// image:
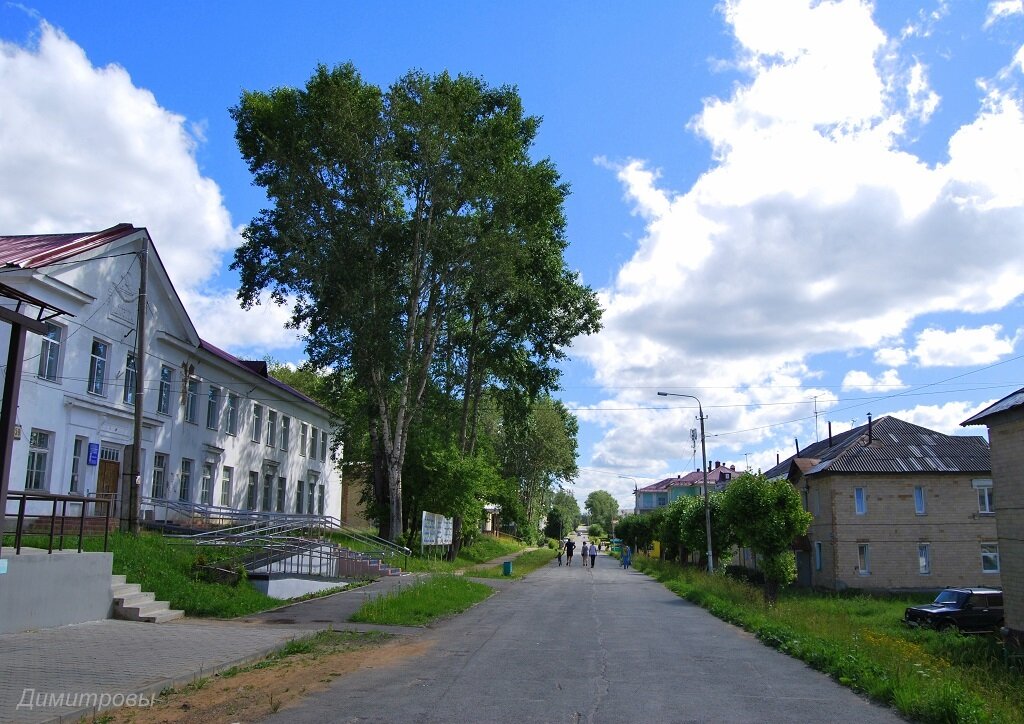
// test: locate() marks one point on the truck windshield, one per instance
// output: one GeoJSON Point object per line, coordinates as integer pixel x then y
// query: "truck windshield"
{"type": "Point", "coordinates": [950, 597]}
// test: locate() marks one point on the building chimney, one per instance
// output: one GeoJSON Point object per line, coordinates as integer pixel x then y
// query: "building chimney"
{"type": "Point", "coordinates": [869, 428]}
{"type": "Point", "coordinates": [732, 467]}
{"type": "Point", "coordinates": [718, 463]}
{"type": "Point", "coordinates": [830, 433]}
{"type": "Point", "coordinates": [777, 461]}
{"type": "Point", "coordinates": [797, 443]}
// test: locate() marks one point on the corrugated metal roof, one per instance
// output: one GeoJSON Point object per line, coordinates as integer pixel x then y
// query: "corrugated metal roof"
{"type": "Point", "coordinates": [895, 446]}
{"type": "Point", "coordinates": [38, 250]}
{"type": "Point", "coordinates": [1015, 399]}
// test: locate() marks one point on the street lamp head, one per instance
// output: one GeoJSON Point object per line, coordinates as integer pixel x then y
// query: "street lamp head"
{"type": "Point", "coordinates": [663, 394]}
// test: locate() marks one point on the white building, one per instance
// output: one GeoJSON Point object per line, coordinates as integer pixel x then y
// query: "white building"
{"type": "Point", "coordinates": [216, 430]}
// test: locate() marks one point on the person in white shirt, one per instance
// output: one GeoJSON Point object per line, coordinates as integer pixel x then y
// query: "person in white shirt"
{"type": "Point", "coordinates": [593, 554]}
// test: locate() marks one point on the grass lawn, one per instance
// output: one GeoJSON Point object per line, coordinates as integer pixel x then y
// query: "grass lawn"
{"type": "Point", "coordinates": [483, 549]}
{"type": "Point", "coordinates": [423, 601]}
{"type": "Point", "coordinates": [860, 641]}
{"type": "Point", "coordinates": [526, 563]}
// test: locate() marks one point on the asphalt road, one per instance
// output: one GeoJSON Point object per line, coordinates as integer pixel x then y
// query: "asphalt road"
{"type": "Point", "coordinates": [580, 645]}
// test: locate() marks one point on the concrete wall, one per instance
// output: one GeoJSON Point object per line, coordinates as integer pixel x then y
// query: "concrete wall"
{"type": "Point", "coordinates": [892, 529]}
{"type": "Point", "coordinates": [40, 590]}
{"type": "Point", "coordinates": [1006, 438]}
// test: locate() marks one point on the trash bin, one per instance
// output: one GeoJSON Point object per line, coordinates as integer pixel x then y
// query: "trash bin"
{"type": "Point", "coordinates": [506, 568]}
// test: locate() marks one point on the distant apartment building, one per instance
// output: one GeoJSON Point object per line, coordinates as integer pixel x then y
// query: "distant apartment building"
{"type": "Point", "coordinates": [662, 493]}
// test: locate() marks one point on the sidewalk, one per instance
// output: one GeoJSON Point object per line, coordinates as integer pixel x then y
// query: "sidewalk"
{"type": "Point", "coordinates": [66, 673]}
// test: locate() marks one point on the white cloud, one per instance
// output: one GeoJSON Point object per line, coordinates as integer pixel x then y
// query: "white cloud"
{"type": "Point", "coordinates": [962, 347]}
{"type": "Point", "coordinates": [1002, 9]}
{"type": "Point", "coordinates": [944, 418]}
{"type": "Point", "coordinates": [83, 148]}
{"type": "Point", "coordinates": [858, 380]}
{"type": "Point", "coordinates": [815, 232]}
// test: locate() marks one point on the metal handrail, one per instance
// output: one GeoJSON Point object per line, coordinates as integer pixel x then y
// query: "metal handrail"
{"type": "Point", "coordinates": [24, 496]}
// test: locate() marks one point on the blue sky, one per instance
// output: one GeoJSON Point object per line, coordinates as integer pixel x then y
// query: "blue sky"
{"type": "Point", "coordinates": [786, 206]}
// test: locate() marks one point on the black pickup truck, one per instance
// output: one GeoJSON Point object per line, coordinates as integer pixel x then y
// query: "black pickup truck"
{"type": "Point", "coordinates": [968, 609]}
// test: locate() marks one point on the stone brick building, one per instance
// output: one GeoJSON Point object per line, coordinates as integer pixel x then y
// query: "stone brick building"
{"type": "Point", "coordinates": [1005, 420]}
{"type": "Point", "coordinates": [896, 507]}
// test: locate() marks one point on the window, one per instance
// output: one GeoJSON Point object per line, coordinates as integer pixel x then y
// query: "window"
{"type": "Point", "coordinates": [280, 494]}
{"type": "Point", "coordinates": [323, 446]}
{"type": "Point", "coordinates": [38, 460]}
{"type": "Point", "coordinates": [990, 558]}
{"type": "Point", "coordinates": [185, 488]}
{"type": "Point", "coordinates": [268, 490]}
{"type": "Point", "coordinates": [76, 465]}
{"type": "Point", "coordinates": [285, 425]}
{"type": "Point", "coordinates": [320, 499]}
{"type": "Point", "coordinates": [98, 366]}
{"type": "Point", "coordinates": [817, 555]}
{"type": "Point", "coordinates": [213, 408]}
{"type": "Point", "coordinates": [300, 496]}
{"type": "Point", "coordinates": [662, 500]}
{"type": "Point", "coordinates": [225, 486]}
{"type": "Point", "coordinates": [252, 493]}
{"type": "Point", "coordinates": [863, 560]}
{"type": "Point", "coordinates": [49, 353]}
{"type": "Point", "coordinates": [303, 438]}
{"type": "Point", "coordinates": [924, 558]}
{"type": "Point", "coordinates": [231, 418]}
{"type": "Point", "coordinates": [163, 402]}
{"type": "Point", "coordinates": [206, 485]}
{"type": "Point", "coordinates": [257, 422]}
{"type": "Point", "coordinates": [860, 501]}
{"type": "Point", "coordinates": [311, 500]}
{"type": "Point", "coordinates": [313, 437]}
{"type": "Point", "coordinates": [986, 506]}
{"type": "Point", "coordinates": [919, 500]}
{"type": "Point", "coordinates": [159, 475]}
{"type": "Point", "coordinates": [191, 399]}
{"type": "Point", "coordinates": [129, 379]}
{"type": "Point", "coordinates": [272, 428]}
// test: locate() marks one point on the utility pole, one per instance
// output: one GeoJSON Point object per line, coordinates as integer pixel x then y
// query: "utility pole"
{"type": "Point", "coordinates": [135, 483]}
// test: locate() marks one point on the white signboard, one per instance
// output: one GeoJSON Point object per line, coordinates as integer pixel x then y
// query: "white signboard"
{"type": "Point", "coordinates": [445, 533]}
{"type": "Point", "coordinates": [436, 530]}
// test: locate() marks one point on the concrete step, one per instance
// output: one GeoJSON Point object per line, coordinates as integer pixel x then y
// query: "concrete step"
{"type": "Point", "coordinates": [134, 599]}
{"type": "Point", "coordinates": [125, 589]}
{"type": "Point", "coordinates": [131, 603]}
{"type": "Point", "coordinates": [118, 580]}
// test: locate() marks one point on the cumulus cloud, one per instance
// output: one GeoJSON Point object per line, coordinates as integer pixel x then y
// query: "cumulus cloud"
{"type": "Point", "coordinates": [83, 148]}
{"type": "Point", "coordinates": [816, 232]}
{"type": "Point", "coordinates": [962, 347]}
{"type": "Point", "coordinates": [859, 380]}
{"type": "Point", "coordinates": [1002, 9]}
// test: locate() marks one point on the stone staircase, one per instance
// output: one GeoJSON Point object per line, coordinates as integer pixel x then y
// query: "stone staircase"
{"type": "Point", "coordinates": [131, 603]}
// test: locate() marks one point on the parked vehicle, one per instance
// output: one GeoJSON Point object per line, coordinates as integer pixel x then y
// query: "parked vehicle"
{"type": "Point", "coordinates": [968, 609]}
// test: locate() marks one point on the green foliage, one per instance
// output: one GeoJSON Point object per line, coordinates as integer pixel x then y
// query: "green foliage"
{"type": "Point", "coordinates": [603, 507]}
{"type": "Point", "coordinates": [860, 641]}
{"type": "Point", "coordinates": [692, 527]}
{"type": "Point", "coordinates": [423, 601]}
{"type": "Point", "coordinates": [524, 564]}
{"type": "Point", "coordinates": [595, 531]}
{"type": "Point", "coordinates": [640, 531]}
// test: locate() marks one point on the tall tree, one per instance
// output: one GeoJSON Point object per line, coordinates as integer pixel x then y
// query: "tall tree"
{"type": "Point", "coordinates": [602, 507]}
{"type": "Point", "coordinates": [394, 216]}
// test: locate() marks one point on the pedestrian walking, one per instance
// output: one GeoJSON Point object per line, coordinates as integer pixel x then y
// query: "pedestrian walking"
{"type": "Point", "coordinates": [583, 554]}
{"type": "Point", "coordinates": [627, 556]}
{"type": "Point", "coordinates": [570, 546]}
{"type": "Point", "coordinates": [593, 554]}
{"type": "Point", "coordinates": [561, 549]}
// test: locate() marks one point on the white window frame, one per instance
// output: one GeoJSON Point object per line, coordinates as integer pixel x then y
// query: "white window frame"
{"type": "Point", "coordinates": [163, 402]}
{"type": "Point", "coordinates": [320, 499]}
{"type": "Point", "coordinates": [37, 467]}
{"type": "Point", "coordinates": [129, 379]}
{"type": "Point", "coordinates": [860, 501]}
{"type": "Point", "coordinates": [50, 349]}
{"type": "Point", "coordinates": [185, 481]}
{"type": "Point", "coordinates": [206, 485]}
{"type": "Point", "coordinates": [863, 559]}
{"type": "Point", "coordinates": [252, 491]}
{"type": "Point", "coordinates": [78, 448]}
{"type": "Point", "coordinates": [311, 494]}
{"type": "Point", "coordinates": [158, 488]}
{"type": "Point", "coordinates": [303, 438]}
{"type": "Point", "coordinates": [285, 432]}
{"type": "Point", "coordinates": [257, 422]}
{"type": "Point", "coordinates": [272, 428]}
{"type": "Point", "coordinates": [98, 354]}
{"type": "Point", "coordinates": [323, 446]}
{"type": "Point", "coordinates": [227, 475]}
{"type": "Point", "coordinates": [300, 496]}
{"type": "Point", "coordinates": [268, 491]}
{"type": "Point", "coordinates": [314, 438]}
{"type": "Point", "coordinates": [920, 501]}
{"type": "Point", "coordinates": [192, 400]}
{"type": "Point", "coordinates": [924, 558]}
{"type": "Point", "coordinates": [231, 416]}
{"type": "Point", "coordinates": [213, 408]}
{"type": "Point", "coordinates": [281, 502]}
{"type": "Point", "coordinates": [990, 555]}
{"type": "Point", "coordinates": [986, 503]}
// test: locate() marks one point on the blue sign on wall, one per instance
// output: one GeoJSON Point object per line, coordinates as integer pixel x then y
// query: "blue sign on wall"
{"type": "Point", "coordinates": [94, 453]}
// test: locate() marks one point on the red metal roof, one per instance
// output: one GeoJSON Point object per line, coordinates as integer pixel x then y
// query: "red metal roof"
{"type": "Point", "coordinates": [38, 250]}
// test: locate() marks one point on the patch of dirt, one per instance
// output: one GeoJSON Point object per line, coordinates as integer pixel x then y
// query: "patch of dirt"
{"type": "Point", "coordinates": [256, 693]}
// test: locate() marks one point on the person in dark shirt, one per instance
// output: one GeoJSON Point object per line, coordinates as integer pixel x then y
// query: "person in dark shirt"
{"type": "Point", "coordinates": [570, 546]}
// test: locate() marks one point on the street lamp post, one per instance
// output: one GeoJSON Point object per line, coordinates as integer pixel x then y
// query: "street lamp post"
{"type": "Point", "coordinates": [704, 469]}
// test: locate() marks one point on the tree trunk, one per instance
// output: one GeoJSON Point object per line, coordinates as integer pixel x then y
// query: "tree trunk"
{"type": "Point", "coordinates": [380, 482]}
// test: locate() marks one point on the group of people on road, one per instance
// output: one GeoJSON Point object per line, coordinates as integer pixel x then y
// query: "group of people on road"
{"type": "Point", "coordinates": [568, 547]}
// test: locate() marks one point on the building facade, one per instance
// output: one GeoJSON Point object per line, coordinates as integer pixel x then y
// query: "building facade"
{"type": "Point", "coordinates": [896, 506]}
{"type": "Point", "coordinates": [217, 431]}
{"type": "Point", "coordinates": [1005, 421]}
{"type": "Point", "coordinates": [664, 492]}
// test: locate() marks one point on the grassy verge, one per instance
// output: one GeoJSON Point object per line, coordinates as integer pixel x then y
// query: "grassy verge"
{"type": "Point", "coordinates": [526, 563]}
{"type": "Point", "coordinates": [170, 570]}
{"type": "Point", "coordinates": [860, 641]}
{"type": "Point", "coordinates": [422, 602]}
{"type": "Point", "coordinates": [483, 549]}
